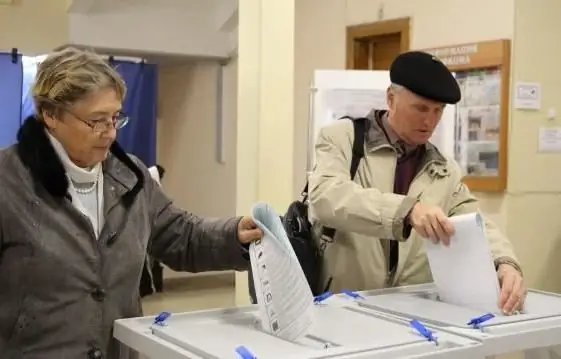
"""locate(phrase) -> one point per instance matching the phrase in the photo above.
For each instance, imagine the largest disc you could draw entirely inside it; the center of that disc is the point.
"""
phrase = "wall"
(534, 198)
(33, 26)
(186, 138)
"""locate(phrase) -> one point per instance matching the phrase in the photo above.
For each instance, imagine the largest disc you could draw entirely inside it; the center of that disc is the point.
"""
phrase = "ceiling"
(192, 6)
(214, 20)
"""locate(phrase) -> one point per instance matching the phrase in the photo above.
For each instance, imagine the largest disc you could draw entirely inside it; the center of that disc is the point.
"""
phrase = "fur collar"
(37, 154)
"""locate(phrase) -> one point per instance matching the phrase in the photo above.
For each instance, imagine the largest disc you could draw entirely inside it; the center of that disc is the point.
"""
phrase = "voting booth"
(340, 331)
(535, 331)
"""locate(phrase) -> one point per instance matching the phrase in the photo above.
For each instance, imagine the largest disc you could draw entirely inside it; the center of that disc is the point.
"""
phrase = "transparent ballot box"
(536, 331)
(339, 331)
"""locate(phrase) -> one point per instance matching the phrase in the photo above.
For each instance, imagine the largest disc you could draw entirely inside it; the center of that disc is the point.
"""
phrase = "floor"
(197, 292)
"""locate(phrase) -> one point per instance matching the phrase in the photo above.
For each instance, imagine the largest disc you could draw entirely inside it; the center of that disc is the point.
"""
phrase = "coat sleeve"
(338, 202)
(186, 242)
(464, 202)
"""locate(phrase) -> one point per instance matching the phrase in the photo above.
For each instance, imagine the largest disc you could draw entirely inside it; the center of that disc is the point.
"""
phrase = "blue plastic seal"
(475, 323)
(244, 353)
(322, 297)
(161, 318)
(424, 331)
(352, 294)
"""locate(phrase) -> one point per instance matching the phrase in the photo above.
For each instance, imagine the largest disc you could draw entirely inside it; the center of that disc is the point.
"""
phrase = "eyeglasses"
(116, 121)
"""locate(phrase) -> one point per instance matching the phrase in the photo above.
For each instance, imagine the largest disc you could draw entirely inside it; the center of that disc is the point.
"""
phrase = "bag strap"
(359, 127)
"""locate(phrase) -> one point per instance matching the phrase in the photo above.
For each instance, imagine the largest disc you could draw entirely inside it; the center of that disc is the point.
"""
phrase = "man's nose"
(431, 119)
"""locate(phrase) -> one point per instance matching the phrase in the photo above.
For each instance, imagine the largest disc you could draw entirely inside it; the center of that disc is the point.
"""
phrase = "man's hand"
(248, 231)
(513, 290)
(432, 223)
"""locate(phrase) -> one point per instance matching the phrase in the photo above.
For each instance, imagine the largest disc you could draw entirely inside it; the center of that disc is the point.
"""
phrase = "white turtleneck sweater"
(85, 187)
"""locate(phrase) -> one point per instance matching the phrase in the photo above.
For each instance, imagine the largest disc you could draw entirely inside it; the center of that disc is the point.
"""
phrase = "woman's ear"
(49, 120)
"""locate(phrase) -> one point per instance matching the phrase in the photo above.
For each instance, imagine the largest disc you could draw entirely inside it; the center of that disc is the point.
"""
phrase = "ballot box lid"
(338, 332)
(538, 325)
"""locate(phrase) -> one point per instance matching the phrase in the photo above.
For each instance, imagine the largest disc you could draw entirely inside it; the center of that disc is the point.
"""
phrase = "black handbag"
(308, 250)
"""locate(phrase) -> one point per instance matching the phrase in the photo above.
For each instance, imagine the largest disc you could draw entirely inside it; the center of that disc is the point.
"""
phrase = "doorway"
(375, 45)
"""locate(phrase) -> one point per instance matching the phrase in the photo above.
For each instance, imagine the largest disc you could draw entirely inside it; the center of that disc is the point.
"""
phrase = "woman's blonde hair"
(69, 75)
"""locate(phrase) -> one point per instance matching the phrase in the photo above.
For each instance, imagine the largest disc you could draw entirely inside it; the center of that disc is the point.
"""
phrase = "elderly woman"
(77, 216)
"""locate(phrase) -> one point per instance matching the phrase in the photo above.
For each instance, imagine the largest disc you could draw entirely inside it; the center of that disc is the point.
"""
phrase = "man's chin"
(422, 138)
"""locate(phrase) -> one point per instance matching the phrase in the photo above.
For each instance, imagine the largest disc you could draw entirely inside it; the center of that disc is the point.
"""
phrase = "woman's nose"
(109, 134)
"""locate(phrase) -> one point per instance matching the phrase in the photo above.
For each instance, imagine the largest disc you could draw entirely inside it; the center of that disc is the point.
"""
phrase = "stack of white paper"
(283, 294)
(464, 272)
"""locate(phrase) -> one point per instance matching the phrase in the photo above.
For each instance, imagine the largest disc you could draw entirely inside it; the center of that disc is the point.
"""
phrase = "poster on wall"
(478, 122)
(353, 103)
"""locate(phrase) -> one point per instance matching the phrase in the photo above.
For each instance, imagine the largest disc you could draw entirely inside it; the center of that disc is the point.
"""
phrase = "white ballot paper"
(286, 303)
(464, 272)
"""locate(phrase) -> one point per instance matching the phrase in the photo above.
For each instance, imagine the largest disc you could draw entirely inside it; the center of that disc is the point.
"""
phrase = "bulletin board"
(481, 118)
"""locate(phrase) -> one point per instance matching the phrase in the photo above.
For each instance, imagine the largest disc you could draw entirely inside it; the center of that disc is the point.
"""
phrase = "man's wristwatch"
(510, 262)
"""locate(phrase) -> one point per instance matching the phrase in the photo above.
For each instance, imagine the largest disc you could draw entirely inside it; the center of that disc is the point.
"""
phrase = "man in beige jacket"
(404, 190)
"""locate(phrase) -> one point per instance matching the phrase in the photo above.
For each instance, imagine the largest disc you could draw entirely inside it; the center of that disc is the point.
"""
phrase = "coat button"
(98, 294)
(95, 353)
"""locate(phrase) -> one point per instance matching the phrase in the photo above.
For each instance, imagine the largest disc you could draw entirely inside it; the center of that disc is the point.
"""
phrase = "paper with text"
(353, 103)
(286, 303)
(464, 272)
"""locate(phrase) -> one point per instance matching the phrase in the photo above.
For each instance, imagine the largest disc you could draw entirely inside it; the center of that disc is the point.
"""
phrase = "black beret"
(426, 76)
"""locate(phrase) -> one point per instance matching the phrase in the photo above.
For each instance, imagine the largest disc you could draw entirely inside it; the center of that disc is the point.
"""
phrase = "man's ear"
(390, 97)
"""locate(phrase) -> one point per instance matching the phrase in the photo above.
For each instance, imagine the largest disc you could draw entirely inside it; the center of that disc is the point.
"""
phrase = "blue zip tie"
(424, 331)
(475, 323)
(352, 294)
(244, 353)
(161, 318)
(320, 298)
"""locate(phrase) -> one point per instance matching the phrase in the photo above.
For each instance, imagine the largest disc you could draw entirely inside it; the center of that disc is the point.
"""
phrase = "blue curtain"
(29, 72)
(138, 137)
(11, 78)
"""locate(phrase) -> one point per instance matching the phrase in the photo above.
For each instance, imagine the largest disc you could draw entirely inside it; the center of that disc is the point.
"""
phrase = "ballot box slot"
(435, 297)
(186, 346)
(339, 332)
(430, 295)
(391, 352)
(429, 320)
(398, 313)
(312, 340)
(441, 344)
(426, 306)
(337, 329)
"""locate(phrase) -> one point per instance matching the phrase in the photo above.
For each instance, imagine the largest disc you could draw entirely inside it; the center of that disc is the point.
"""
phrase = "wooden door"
(374, 46)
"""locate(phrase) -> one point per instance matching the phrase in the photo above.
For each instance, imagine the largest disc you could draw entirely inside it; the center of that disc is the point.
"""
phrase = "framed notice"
(481, 119)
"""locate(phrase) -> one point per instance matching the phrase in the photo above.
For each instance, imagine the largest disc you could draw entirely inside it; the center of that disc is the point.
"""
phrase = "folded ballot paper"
(283, 294)
(464, 272)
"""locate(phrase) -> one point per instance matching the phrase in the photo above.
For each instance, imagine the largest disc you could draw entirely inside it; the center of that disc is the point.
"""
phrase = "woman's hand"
(248, 231)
